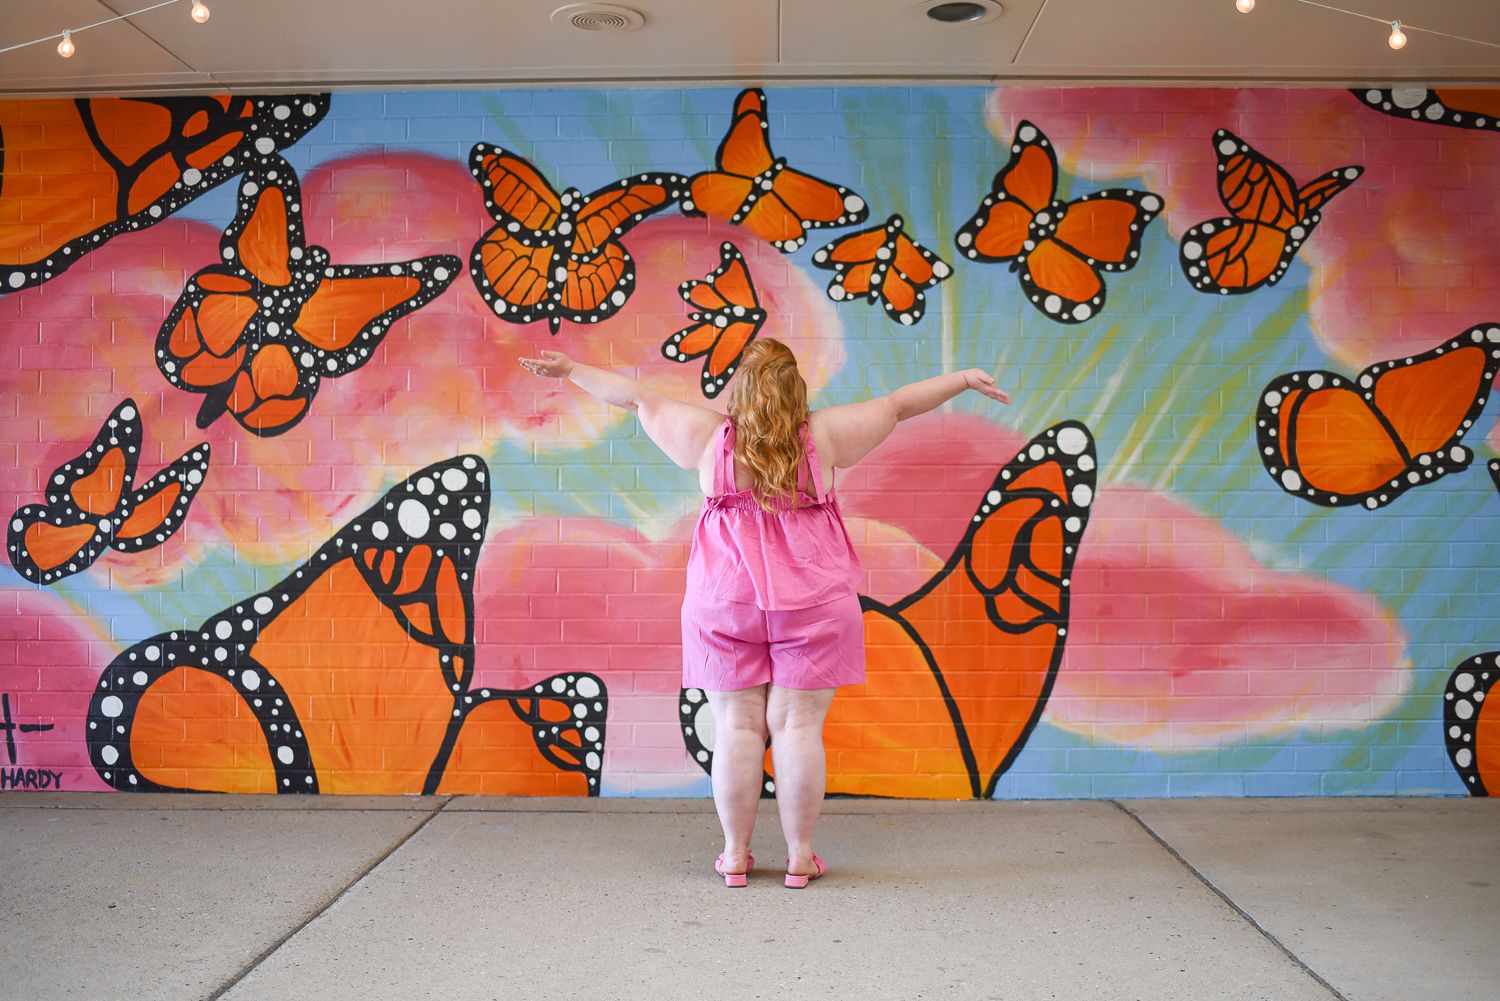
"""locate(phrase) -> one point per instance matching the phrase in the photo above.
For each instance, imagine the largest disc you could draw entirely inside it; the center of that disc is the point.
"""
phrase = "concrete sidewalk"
(245, 897)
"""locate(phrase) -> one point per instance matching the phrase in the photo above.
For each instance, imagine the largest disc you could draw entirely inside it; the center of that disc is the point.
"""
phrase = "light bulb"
(200, 11)
(66, 48)
(1244, 6)
(1398, 37)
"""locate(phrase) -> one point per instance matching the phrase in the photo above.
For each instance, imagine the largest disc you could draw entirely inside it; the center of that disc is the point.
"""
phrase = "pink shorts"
(730, 645)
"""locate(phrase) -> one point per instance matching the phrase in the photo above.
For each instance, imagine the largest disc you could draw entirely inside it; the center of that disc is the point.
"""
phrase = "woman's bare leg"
(795, 718)
(739, 760)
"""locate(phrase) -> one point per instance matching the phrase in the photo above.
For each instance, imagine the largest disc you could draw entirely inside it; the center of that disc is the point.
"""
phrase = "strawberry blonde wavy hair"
(768, 404)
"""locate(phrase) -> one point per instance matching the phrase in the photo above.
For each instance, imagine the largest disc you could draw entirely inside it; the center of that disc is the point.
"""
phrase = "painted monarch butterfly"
(558, 257)
(76, 174)
(1471, 734)
(727, 319)
(959, 671)
(257, 334)
(354, 674)
(92, 506)
(753, 188)
(1271, 219)
(883, 264)
(1060, 249)
(1337, 441)
(1461, 109)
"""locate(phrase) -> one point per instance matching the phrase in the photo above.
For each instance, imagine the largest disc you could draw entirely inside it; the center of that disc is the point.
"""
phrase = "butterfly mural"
(885, 265)
(1271, 219)
(959, 671)
(727, 315)
(558, 257)
(75, 174)
(354, 674)
(751, 187)
(93, 505)
(1472, 735)
(1457, 107)
(256, 334)
(1060, 250)
(1338, 442)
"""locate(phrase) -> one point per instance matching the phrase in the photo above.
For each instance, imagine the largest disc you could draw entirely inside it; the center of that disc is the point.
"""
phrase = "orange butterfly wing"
(91, 505)
(754, 189)
(554, 257)
(1471, 726)
(726, 319)
(84, 508)
(1058, 249)
(958, 672)
(1025, 186)
(1271, 220)
(883, 264)
(354, 674)
(1338, 442)
(113, 165)
(257, 334)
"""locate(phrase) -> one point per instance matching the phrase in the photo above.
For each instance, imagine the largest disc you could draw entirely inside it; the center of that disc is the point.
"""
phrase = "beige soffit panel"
(114, 55)
(1279, 40)
(894, 38)
(377, 42)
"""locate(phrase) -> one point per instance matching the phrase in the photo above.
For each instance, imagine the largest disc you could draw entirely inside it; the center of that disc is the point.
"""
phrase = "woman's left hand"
(552, 365)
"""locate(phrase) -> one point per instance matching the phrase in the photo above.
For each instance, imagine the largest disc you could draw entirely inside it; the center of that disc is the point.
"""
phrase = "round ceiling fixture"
(960, 11)
(598, 17)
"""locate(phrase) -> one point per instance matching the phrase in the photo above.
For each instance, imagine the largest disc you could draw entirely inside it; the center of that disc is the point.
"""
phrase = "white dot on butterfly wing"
(413, 518)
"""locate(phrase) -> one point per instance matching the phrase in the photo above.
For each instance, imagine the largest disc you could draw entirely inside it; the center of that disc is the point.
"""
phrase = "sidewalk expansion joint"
(1265, 932)
(270, 950)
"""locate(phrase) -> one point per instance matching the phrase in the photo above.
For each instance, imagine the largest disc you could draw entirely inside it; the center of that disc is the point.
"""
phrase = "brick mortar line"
(274, 946)
(1228, 900)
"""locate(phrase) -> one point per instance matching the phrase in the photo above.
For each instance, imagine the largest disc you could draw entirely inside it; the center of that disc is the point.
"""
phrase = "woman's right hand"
(552, 365)
(981, 381)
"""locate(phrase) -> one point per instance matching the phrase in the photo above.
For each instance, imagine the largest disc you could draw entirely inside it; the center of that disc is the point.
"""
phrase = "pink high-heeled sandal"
(798, 881)
(733, 878)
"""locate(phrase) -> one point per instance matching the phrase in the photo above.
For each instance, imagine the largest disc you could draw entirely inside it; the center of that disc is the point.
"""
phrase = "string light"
(66, 48)
(1398, 29)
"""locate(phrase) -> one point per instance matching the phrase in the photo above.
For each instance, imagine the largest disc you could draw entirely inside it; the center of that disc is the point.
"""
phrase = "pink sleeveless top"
(795, 558)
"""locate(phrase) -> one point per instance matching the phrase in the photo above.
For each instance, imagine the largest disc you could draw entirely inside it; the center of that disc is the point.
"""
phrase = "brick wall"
(1186, 626)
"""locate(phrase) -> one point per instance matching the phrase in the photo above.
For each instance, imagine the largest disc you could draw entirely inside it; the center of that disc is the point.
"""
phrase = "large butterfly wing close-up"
(92, 504)
(884, 265)
(1271, 220)
(959, 671)
(354, 674)
(553, 256)
(74, 174)
(1336, 441)
(726, 315)
(256, 334)
(1457, 107)
(1060, 250)
(1470, 732)
(751, 187)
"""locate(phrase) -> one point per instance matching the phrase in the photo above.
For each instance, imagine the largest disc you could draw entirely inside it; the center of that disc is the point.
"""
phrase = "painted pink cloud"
(1403, 259)
(1179, 636)
(445, 380)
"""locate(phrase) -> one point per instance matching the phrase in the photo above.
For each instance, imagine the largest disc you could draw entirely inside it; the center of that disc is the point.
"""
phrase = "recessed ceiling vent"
(598, 17)
(972, 12)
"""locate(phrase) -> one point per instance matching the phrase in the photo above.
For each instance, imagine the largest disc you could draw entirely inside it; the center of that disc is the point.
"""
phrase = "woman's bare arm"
(682, 430)
(853, 430)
